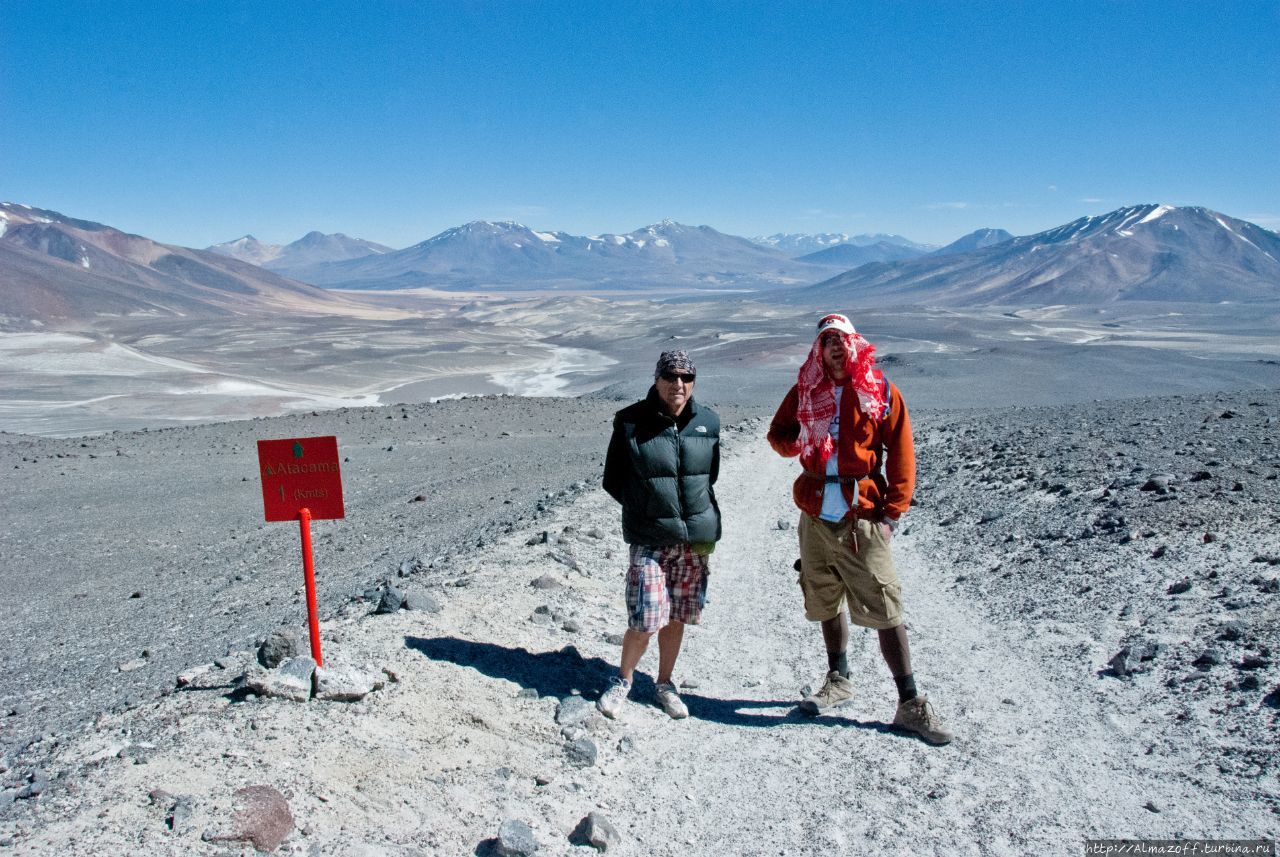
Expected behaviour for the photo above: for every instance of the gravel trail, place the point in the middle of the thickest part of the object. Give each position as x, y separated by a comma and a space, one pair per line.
484, 722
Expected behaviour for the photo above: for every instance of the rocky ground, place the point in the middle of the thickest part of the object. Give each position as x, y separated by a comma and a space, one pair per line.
1092, 596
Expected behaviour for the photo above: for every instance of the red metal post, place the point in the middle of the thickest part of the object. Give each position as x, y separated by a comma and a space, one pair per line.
309, 571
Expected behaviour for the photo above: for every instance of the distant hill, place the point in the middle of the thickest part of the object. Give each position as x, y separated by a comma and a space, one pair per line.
310, 249
1143, 252
509, 256
853, 255
975, 240
55, 268
797, 244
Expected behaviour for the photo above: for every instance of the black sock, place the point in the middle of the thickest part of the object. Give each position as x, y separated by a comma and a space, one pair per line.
838, 662
906, 687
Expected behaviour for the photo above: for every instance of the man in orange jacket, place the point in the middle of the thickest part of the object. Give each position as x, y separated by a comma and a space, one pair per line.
850, 428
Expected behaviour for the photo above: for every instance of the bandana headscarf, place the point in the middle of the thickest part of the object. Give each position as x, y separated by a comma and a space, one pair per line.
817, 405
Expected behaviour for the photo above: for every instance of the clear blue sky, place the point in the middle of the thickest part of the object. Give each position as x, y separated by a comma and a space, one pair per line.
198, 122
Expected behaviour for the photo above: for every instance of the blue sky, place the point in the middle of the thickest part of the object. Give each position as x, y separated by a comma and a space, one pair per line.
194, 123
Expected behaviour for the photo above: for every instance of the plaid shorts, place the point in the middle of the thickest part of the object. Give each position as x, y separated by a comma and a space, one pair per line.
665, 583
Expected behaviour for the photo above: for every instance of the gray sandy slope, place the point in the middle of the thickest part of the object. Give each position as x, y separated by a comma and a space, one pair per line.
1045, 541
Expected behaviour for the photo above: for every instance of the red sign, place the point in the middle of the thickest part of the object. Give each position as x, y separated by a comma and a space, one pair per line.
300, 473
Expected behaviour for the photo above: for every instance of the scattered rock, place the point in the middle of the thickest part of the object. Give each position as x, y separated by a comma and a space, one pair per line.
515, 839
1180, 586
130, 666
1157, 482
613, 639
290, 680
596, 831
573, 626
1232, 631
781, 525
1208, 658
1135, 656
262, 817
186, 677
416, 599
281, 645
343, 684
565, 559
392, 600
582, 753
546, 582
571, 710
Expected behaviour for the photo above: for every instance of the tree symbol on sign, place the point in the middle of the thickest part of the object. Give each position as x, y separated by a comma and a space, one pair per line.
297, 449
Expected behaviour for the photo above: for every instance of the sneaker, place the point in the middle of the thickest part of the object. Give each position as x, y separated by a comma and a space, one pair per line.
610, 703
917, 715
671, 701
835, 692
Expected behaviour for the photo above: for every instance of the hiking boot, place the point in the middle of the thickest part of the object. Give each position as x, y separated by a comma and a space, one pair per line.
671, 701
835, 692
917, 715
610, 702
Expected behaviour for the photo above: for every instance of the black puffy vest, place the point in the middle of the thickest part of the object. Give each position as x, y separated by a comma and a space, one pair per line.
661, 470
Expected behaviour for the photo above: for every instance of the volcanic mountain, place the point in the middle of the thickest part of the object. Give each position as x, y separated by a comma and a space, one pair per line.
311, 249
57, 269
1143, 252
510, 256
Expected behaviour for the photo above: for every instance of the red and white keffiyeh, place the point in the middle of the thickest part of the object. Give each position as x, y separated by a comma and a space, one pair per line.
817, 405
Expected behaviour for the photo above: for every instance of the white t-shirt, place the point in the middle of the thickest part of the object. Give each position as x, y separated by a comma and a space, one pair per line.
834, 506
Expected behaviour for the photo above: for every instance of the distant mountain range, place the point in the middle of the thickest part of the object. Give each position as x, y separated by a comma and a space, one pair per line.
801, 244
508, 256
55, 269
311, 249
1143, 252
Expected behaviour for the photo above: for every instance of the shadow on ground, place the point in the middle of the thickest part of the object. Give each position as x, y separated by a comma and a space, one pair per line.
566, 672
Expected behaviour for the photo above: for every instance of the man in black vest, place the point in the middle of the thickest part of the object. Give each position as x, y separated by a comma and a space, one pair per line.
663, 458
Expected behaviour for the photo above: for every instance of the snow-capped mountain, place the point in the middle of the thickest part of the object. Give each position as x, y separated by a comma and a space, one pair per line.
797, 244
55, 268
310, 249
1142, 252
509, 255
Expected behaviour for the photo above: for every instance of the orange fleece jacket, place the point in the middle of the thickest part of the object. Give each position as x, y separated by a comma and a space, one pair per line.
864, 446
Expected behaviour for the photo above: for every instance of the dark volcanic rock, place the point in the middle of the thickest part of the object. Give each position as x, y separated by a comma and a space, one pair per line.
280, 645
392, 600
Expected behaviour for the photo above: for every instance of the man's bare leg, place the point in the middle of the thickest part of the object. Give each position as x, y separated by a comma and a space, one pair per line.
634, 644
669, 640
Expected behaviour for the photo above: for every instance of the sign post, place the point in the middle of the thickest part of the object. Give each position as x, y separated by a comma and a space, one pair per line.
301, 481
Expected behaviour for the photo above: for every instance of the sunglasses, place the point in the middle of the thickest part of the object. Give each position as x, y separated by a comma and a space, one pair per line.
829, 338
671, 377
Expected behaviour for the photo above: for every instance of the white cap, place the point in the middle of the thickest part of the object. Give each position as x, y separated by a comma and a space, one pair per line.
835, 321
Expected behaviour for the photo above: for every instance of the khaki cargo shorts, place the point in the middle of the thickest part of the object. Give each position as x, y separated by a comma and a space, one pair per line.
831, 574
